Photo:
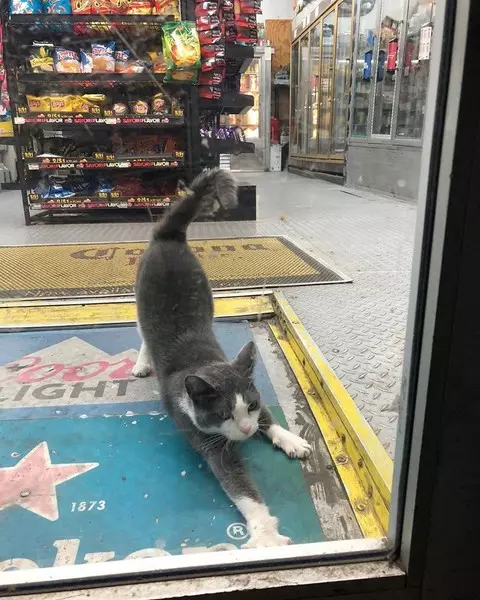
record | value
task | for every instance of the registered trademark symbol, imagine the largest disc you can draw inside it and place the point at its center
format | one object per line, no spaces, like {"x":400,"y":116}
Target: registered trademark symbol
{"x":237,"y":531}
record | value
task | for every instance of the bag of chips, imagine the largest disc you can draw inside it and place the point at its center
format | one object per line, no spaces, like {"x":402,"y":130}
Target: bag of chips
{"x":119,"y":7}
{"x":81,"y":7}
{"x":66,"y":61}
{"x":213,"y":77}
{"x":139,"y":7}
{"x":41,"y":57}
{"x":181,"y":76}
{"x":166,"y":7}
{"x":38,"y":104}
{"x":204,"y":9}
{"x":210,"y":36}
{"x":103,"y":60}
{"x":86,"y":62}
{"x":181,"y":47}
{"x":62,"y":103}
{"x":157,"y":61}
{"x":57,"y":7}
{"x":26,"y":7}
{"x":208,"y":22}
{"x":210,"y":92}
{"x":160,"y":105}
{"x":101,"y":7}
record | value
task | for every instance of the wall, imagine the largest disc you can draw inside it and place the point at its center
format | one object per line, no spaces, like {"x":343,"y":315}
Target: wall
{"x":277,"y":9}
{"x":393,"y":169}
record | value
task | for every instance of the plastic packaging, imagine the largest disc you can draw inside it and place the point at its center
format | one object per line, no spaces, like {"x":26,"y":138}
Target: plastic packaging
{"x":181,"y":46}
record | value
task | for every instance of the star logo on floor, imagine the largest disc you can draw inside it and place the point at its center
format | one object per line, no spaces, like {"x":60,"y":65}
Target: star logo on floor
{"x":32,"y":482}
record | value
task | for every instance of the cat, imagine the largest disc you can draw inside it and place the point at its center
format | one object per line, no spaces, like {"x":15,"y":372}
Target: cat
{"x":212,"y":400}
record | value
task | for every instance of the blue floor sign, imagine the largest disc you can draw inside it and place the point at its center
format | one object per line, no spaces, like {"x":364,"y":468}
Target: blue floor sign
{"x":92,"y":469}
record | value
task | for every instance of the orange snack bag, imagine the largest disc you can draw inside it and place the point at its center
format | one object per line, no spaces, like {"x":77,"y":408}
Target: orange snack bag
{"x":166,"y":7}
{"x":81,"y":7}
{"x":101,"y":7}
{"x":139,"y":7}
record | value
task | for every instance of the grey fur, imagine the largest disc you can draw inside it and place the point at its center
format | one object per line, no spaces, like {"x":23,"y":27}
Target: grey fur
{"x":175,"y":314}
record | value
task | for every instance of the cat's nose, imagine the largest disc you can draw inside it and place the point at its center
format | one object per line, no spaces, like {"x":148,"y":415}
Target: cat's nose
{"x":245,"y":427}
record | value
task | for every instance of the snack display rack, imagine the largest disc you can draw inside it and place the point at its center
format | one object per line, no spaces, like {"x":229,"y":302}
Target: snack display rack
{"x":86,"y":162}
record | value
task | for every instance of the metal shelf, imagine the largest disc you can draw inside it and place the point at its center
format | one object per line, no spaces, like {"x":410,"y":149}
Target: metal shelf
{"x":231,"y":103}
{"x":217,"y":146}
{"x":158,"y":161}
{"x":48,"y":20}
{"x":68,"y":121}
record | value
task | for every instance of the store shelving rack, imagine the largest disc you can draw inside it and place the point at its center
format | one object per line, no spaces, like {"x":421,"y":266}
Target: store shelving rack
{"x":19,"y":30}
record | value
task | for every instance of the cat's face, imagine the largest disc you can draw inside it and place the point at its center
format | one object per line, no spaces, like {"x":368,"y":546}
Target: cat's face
{"x":224,"y":398}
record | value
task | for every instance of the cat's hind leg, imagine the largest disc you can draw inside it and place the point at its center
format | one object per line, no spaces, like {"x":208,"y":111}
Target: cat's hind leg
{"x":293,"y":445}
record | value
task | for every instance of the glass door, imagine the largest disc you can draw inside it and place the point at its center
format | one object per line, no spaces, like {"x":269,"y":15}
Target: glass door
{"x":326,"y":83}
{"x":294,"y":100}
{"x":342,"y":76}
{"x":386,"y":69}
{"x":312,"y":131}
{"x":304,"y":93}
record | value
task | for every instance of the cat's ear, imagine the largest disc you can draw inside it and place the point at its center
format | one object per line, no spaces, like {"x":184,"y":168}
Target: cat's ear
{"x":245,"y":361}
{"x":198,"y":389}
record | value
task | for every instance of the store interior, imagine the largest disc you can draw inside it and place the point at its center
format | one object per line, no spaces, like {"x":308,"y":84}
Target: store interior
{"x":108,"y":109}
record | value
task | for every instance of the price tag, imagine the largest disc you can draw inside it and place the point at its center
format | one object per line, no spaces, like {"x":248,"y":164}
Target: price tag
{"x":111,"y":121}
{"x":19,"y":120}
{"x":33,"y":167}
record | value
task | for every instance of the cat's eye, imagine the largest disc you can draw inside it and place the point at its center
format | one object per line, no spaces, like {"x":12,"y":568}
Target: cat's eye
{"x":224,"y":416}
{"x":252,"y":406}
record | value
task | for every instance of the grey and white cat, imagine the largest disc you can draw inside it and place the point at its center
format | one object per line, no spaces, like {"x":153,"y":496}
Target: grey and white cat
{"x":212,"y":400}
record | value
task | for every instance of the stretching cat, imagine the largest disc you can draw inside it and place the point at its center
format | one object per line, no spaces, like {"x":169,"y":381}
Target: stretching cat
{"x":213,"y":401}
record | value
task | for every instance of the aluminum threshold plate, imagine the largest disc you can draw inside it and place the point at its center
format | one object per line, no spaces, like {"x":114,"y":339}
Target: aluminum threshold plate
{"x":109,"y":269}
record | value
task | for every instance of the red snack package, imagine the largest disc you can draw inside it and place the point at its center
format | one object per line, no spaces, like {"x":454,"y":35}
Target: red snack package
{"x":212,"y":36}
{"x":213,"y":51}
{"x":246,"y":21}
{"x":213,"y":77}
{"x":166,"y":7}
{"x":206,"y":9}
{"x":247,"y":37}
{"x":139,"y":7}
{"x":119,"y":7}
{"x":208,"y":22}
{"x":251,"y":7}
{"x":210,"y":92}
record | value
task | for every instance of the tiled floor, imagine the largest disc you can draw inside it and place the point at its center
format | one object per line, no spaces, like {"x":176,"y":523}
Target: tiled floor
{"x":360,"y":327}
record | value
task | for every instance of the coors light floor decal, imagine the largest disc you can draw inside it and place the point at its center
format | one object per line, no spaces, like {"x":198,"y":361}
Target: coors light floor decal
{"x":92,"y":469}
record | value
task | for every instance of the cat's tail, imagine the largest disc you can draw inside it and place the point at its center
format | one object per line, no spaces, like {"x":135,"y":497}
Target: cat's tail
{"x":209,"y":193}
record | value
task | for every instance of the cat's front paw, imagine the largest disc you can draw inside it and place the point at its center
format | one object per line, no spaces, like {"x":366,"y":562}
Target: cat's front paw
{"x":293,"y":445}
{"x":141,"y":369}
{"x":267,"y":539}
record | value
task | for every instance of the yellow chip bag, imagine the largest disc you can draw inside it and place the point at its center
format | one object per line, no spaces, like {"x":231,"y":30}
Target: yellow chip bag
{"x":62,"y":103}
{"x":38,"y":103}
